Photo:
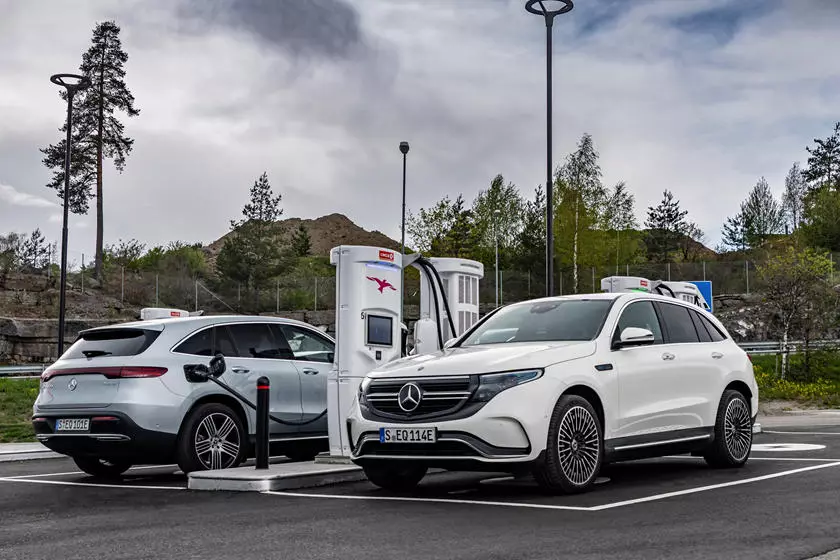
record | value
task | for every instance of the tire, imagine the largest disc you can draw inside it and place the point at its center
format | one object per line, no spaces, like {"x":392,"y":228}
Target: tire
{"x":102,"y":468}
{"x":733,"y":433}
{"x":574,"y":451}
{"x":395,"y":476}
{"x":212,"y":437}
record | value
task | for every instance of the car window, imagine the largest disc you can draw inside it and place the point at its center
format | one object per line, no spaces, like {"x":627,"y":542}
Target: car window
{"x":702,"y":333}
{"x":560,"y":320}
{"x":716,"y":334}
{"x":640,"y":314}
{"x":258,"y":340}
{"x":111,"y":342}
{"x":306,"y":345}
{"x":678,"y":323}
{"x":199,"y":344}
{"x":223,"y":342}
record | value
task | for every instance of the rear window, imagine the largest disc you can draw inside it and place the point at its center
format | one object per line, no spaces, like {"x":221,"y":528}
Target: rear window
{"x":111,"y":342}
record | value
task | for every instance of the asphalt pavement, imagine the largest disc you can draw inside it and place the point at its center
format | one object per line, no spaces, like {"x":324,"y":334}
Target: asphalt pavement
{"x":784,"y":504}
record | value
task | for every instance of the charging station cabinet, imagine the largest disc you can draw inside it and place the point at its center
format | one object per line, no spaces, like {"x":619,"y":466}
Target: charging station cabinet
{"x":460,"y":278}
{"x":367,"y":328}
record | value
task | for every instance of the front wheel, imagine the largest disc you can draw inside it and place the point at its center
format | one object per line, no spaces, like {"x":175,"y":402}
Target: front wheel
{"x":733,"y":432}
{"x":213,"y":437}
{"x":575,"y":448}
{"x":395,"y":477}
{"x":102,"y":468}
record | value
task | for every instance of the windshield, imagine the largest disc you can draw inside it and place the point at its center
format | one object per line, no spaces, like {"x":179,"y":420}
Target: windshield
{"x":572,"y":319}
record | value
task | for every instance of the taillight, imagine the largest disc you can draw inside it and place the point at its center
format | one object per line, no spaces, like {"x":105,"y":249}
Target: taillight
{"x":749,"y":358}
{"x":116,"y":372}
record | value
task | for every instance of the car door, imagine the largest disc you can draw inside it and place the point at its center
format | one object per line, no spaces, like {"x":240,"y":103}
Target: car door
{"x":691,"y":380}
{"x":642,"y":372}
{"x":716,"y":357}
{"x":313,"y":354}
{"x":259,"y":353}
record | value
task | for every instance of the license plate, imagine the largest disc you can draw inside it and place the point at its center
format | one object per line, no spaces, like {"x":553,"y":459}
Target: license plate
{"x":407,"y":435}
{"x":72,"y":425}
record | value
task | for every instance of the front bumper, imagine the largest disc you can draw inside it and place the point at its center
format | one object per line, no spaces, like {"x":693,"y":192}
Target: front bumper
{"x":119,"y":437}
{"x":510,"y":429}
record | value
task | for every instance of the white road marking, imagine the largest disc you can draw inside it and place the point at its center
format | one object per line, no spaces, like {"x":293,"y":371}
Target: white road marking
{"x":712,"y":487}
{"x":782,"y":447}
{"x":803,"y":433}
{"x":144,"y":467}
{"x":613,"y":505}
{"x":66,"y":483}
{"x":429,"y":500}
{"x":805,"y":459}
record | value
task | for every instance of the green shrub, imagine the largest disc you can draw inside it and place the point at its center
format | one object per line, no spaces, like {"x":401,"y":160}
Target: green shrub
{"x":822,"y":392}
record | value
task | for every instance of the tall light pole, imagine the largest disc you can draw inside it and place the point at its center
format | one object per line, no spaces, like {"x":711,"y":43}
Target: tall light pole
{"x":496,"y":235}
{"x":544,"y":8}
{"x":404,"y":151}
{"x":72,"y":83}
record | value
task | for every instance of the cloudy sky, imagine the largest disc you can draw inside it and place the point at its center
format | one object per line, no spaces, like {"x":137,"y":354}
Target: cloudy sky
{"x":698,"y":96}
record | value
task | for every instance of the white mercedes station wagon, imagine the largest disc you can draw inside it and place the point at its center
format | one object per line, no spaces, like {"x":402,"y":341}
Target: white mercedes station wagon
{"x":558,"y":387}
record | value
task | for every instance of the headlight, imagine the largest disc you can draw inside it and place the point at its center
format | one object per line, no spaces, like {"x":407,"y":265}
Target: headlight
{"x":362,"y":388}
{"x":492,"y":384}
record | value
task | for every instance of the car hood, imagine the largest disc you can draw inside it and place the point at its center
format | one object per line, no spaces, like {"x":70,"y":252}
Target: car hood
{"x":486,"y":358}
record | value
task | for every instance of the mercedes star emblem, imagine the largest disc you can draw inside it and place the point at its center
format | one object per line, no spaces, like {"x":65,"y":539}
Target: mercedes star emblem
{"x":409,"y":397}
{"x":72,"y":385}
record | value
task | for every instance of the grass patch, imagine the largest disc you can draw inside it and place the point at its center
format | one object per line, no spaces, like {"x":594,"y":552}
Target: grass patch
{"x":16,"y":399}
{"x":819,"y":392}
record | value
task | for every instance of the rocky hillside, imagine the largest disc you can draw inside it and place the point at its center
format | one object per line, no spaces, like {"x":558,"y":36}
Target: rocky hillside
{"x":325,"y":233}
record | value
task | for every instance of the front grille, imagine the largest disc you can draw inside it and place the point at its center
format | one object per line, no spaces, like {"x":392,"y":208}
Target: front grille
{"x":438,"y":396}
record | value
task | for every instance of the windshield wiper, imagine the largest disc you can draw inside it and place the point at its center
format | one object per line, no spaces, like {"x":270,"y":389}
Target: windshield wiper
{"x":95,"y":353}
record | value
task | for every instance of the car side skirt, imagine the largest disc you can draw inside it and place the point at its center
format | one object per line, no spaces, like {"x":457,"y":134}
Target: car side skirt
{"x":675,"y":442}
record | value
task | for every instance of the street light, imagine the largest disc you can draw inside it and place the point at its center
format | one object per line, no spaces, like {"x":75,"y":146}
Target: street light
{"x":544,"y":8}
{"x":75,"y":83}
{"x":496,"y":235}
{"x":404,"y":151}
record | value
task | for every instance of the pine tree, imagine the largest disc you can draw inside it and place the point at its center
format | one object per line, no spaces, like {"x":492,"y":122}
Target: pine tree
{"x":824,"y":161}
{"x":666,"y":224}
{"x":793,"y":200}
{"x":762,"y":214}
{"x":35,"y":251}
{"x":251,"y":254}
{"x":301,"y":244}
{"x":100,"y":134}
{"x":531,"y":241}
{"x":734,"y":232}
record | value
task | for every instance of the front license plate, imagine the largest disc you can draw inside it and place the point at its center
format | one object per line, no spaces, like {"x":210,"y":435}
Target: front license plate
{"x":72,"y":425}
{"x":407,"y":435}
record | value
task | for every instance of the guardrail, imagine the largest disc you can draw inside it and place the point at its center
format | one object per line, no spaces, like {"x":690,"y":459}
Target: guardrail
{"x":23,"y":371}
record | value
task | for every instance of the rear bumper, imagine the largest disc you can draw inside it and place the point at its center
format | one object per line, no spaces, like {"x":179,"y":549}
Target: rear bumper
{"x":120,"y":438}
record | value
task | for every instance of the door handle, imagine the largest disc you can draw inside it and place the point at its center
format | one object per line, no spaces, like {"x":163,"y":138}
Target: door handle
{"x":668,"y":356}
{"x":239,"y":369}
{"x":717,"y":355}
{"x":310,"y":371}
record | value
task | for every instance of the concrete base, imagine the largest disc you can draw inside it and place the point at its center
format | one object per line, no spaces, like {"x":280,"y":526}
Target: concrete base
{"x":327,"y":459}
{"x":283,"y":476}
{"x":757,"y":428}
{"x":26,"y":452}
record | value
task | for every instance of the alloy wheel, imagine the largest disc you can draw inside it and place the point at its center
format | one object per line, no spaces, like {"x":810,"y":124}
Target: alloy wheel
{"x":737,"y":429}
{"x":217,"y":441}
{"x":578,"y":445}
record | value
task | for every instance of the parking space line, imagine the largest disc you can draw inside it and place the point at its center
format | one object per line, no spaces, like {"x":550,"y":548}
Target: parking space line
{"x":93,"y":484}
{"x":712,"y":487}
{"x":428,"y":500}
{"x":803,"y":433}
{"x":42,"y":475}
{"x":752,"y":458}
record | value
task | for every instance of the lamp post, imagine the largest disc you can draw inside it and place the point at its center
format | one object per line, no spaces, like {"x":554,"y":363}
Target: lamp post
{"x":544,"y":8}
{"x":72,"y":83}
{"x":404,"y":151}
{"x":496,"y":235}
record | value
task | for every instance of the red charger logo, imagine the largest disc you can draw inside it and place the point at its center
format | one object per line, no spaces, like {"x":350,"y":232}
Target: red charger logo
{"x":382,"y":284}
{"x":386,"y":256}
{"x":643,"y":283}
{"x":174,"y":313}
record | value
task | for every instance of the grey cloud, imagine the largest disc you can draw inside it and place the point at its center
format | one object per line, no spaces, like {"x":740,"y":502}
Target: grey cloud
{"x":328,"y":28}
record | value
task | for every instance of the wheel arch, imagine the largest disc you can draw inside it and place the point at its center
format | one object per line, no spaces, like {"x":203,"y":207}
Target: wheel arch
{"x":743,"y":388}
{"x":218,"y":398}
{"x":592,"y":396}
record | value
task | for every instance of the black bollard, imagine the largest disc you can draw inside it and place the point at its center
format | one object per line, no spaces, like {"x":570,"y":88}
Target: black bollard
{"x":263,"y":389}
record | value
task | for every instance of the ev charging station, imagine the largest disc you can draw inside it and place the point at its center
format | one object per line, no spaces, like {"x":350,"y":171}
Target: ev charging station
{"x":368,"y":329}
{"x":685,"y":291}
{"x":459,"y":277}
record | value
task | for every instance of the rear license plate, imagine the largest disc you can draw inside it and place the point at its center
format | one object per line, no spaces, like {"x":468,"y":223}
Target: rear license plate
{"x":72,"y":425}
{"x":407,"y":435}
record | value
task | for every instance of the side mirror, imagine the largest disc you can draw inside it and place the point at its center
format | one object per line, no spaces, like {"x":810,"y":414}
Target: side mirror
{"x":217,"y":365}
{"x":449,"y":343}
{"x":634,"y":336}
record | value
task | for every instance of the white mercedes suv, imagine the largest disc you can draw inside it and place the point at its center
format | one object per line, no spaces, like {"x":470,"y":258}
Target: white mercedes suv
{"x":559,"y":387}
